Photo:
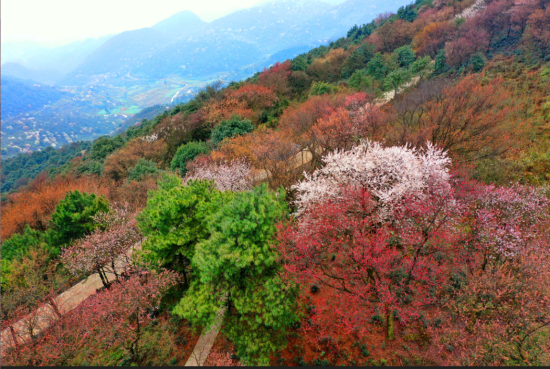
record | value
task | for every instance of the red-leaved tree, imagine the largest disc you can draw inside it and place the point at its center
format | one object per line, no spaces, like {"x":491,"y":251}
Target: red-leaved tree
{"x":112,"y":318}
{"x":368,"y":266}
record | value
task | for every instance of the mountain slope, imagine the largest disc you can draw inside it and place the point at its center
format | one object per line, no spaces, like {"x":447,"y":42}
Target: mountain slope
{"x":66,"y":58}
{"x":19,"y":96}
{"x":121,"y":51}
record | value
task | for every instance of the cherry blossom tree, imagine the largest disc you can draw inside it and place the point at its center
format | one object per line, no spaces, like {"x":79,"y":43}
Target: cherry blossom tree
{"x":111,"y":318}
{"x":510,"y":220}
{"x":388,"y":173}
{"x":228,"y":176}
{"x":369,"y":266}
{"x":107,"y":246}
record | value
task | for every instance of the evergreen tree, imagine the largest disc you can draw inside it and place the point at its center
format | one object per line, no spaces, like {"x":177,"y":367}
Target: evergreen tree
{"x":357,"y":60}
{"x":478,"y":62}
{"x":105,"y":145}
{"x":407,"y":13}
{"x":405,"y":56}
{"x":175,"y":220}
{"x":72,"y":218}
{"x":440,"y":63}
{"x":376,"y":67}
{"x":234,"y":126}
{"x":142,"y":169}
{"x":186,"y":153}
{"x":238,"y":266}
{"x":396,"y":79}
{"x":299,"y":63}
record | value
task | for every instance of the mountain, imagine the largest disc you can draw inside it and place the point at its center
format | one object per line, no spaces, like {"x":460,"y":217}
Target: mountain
{"x":66,"y":58}
{"x":21,"y":51}
{"x":272,"y":27}
{"x":168,"y":63}
{"x":180,"y":24}
{"x":16,"y":70}
{"x":185,"y":47}
{"x":121,"y":51}
{"x":45,"y":63}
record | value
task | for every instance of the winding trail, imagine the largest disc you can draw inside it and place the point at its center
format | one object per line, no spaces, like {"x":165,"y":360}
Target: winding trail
{"x":45,"y":315}
{"x":206,"y":341}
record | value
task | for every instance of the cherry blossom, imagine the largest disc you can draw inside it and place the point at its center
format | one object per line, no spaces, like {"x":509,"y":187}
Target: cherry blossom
{"x":233,"y":176}
{"x":388,"y":173}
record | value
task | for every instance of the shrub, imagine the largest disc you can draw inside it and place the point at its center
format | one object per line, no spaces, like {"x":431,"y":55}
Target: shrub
{"x":186,"y":153}
{"x":360,"y":80}
{"x":17,"y":245}
{"x":90,"y":167}
{"x":105,"y":145}
{"x":142,"y":169}
{"x":119,"y":163}
{"x":478,"y":62}
{"x":234,"y":126}
{"x":321,"y":88}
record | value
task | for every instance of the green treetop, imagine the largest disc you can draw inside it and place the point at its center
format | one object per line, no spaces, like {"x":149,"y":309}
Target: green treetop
{"x":72,"y":218}
{"x":238,"y":266}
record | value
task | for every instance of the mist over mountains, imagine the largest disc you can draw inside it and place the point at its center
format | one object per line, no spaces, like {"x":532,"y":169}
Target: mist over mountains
{"x":94,"y":87}
{"x":183,"y":45}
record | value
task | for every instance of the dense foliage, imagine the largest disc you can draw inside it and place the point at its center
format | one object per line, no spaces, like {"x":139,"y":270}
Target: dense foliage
{"x":186,"y":153}
{"x":234,"y":126}
{"x":237,"y":266}
{"x":21,"y":169}
{"x":414,"y":221}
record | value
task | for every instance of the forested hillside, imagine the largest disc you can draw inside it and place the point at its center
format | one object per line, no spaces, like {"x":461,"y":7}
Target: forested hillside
{"x":382,"y":200}
{"x":20,"y":96}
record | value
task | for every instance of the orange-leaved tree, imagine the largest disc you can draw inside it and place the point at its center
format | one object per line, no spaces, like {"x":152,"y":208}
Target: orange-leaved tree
{"x":34,"y":204}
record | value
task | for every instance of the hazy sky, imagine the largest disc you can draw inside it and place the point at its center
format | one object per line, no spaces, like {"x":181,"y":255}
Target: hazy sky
{"x":62,"y":21}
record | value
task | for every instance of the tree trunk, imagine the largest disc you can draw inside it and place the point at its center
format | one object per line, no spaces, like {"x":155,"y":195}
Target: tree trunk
{"x":391,"y":335}
{"x":103,"y":277}
{"x":13,"y":336}
{"x":54,"y":306}
{"x":114,"y":270}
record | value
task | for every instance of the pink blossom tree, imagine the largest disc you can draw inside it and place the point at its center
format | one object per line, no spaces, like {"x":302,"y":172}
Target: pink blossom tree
{"x":113,"y":317}
{"x":107,"y":246}
{"x":368,"y":264}
{"x":511,"y":220}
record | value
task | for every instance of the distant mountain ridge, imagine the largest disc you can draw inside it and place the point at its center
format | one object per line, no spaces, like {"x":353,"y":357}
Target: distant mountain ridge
{"x":185,"y":46}
{"x":16,"y":70}
{"x":180,"y":24}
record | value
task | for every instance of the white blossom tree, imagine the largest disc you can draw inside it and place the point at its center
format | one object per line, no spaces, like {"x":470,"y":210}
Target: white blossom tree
{"x":233,"y":176}
{"x":388,"y":173}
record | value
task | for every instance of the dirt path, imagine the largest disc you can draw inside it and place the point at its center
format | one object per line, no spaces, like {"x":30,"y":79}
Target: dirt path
{"x":45,"y":315}
{"x":205,"y":342}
